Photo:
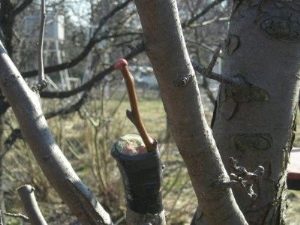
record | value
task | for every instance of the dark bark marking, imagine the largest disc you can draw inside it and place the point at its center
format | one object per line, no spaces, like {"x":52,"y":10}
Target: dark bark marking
{"x":236,"y":6}
{"x":281,"y":28}
{"x":232,"y":43}
{"x":293,"y":4}
{"x":212,"y":122}
{"x":237,"y":94}
{"x":242,"y":94}
{"x":182,"y":81}
{"x":229,"y":109}
{"x":252,"y":142}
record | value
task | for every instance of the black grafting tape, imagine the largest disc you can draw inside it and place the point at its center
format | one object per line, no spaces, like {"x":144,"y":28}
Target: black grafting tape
{"x":142,"y":176}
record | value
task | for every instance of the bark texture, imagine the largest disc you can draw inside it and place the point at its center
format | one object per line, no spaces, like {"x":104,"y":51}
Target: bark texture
{"x":166,"y":49}
{"x":26,"y":106}
{"x":255,"y":123}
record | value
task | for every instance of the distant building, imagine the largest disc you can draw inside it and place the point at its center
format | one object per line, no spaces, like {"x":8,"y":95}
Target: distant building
{"x":54,"y":36}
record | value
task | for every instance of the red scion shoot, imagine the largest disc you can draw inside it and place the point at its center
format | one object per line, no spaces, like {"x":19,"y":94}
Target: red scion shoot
{"x":134,"y":114}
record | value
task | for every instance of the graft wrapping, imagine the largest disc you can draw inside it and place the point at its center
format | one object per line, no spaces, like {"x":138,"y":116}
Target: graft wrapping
{"x":142,"y":178}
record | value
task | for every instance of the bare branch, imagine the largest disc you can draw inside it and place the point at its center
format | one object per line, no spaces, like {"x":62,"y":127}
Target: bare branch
{"x":21,"y":7}
{"x":1,"y":217}
{"x":93,"y":81}
{"x":90,"y":45}
{"x":26,"y":193}
{"x":104,"y":19}
{"x":49,"y":156}
{"x":42,"y":81}
{"x":4,"y":105}
{"x":236,"y":80}
{"x":211,"y":21}
{"x":68,"y":109}
{"x":17,"y":215}
{"x":213,"y":60}
{"x":202,"y":13}
{"x":94,"y":40}
{"x":16,"y":133}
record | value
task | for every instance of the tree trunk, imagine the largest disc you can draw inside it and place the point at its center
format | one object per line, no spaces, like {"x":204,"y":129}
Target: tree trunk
{"x":166,"y":49}
{"x":255,"y":123}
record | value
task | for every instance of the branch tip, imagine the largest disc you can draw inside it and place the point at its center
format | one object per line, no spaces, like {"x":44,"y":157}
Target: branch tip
{"x":120,"y":64}
{"x":134,"y":114}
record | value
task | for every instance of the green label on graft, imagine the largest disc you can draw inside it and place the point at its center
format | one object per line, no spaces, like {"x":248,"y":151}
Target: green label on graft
{"x":252,"y":142}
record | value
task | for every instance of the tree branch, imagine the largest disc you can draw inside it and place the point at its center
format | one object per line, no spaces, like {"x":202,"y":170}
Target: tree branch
{"x":42,"y":83}
{"x":202,"y":13}
{"x":16,"y":133}
{"x":167,"y":52}
{"x":55,"y":166}
{"x":26,"y":193}
{"x":104,"y":19}
{"x":93,"y":41}
{"x":4,"y":105}
{"x":93,"y":81}
{"x":236,"y":80}
{"x":41,"y":42}
{"x":90,"y":45}
{"x":68,"y":109}
{"x":21,"y":7}
{"x":16,"y":215}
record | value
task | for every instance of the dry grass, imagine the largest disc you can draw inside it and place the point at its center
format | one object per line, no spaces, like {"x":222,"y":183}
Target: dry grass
{"x":86,"y":139}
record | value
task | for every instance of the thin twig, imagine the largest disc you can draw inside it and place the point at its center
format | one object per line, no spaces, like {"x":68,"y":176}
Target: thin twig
{"x":94,"y":80}
{"x":134,"y":114}
{"x":17,"y":215}
{"x":1,"y":217}
{"x":213,"y":60}
{"x":202,"y":13}
{"x":89,"y":46}
{"x":42,"y":81}
{"x":218,"y":77}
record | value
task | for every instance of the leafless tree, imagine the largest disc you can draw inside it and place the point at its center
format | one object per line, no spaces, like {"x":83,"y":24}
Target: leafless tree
{"x":259,"y":78}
